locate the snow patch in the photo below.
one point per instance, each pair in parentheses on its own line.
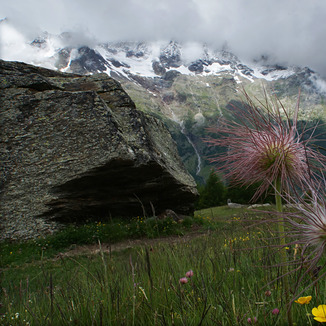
(237,79)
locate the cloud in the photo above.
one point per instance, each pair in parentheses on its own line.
(291,31)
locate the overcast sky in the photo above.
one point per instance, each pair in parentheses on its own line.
(292,31)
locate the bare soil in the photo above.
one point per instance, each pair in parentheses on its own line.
(94,249)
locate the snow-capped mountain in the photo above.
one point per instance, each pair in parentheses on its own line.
(125,59)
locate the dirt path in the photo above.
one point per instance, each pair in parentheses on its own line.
(119,246)
(94,249)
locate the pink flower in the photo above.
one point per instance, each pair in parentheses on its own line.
(183,280)
(264,146)
(249,320)
(190,274)
(275,311)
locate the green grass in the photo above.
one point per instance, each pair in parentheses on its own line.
(140,286)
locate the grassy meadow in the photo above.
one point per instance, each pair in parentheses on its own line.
(232,257)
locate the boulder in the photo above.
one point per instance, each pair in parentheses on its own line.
(75,147)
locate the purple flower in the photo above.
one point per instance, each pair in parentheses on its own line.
(275,311)
(183,280)
(190,274)
(264,146)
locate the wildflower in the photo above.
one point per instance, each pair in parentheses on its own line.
(320,313)
(249,320)
(183,280)
(268,293)
(275,311)
(190,274)
(304,300)
(264,147)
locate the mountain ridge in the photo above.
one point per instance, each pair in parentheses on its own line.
(150,59)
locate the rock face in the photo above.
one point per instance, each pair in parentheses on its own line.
(75,147)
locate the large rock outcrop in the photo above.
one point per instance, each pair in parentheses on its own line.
(75,147)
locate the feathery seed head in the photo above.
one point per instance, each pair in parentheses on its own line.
(306,228)
(264,147)
(309,220)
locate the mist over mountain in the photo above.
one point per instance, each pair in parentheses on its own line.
(288,31)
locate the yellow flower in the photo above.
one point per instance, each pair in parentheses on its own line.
(320,313)
(304,300)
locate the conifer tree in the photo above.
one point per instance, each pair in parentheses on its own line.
(213,193)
